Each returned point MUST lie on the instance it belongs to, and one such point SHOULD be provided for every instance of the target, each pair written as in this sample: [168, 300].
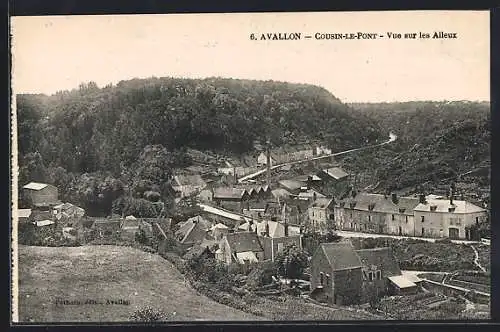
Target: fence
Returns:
[450, 290]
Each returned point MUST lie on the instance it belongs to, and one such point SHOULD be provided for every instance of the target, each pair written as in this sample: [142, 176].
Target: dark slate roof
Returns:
[341, 255]
[322, 202]
[292, 184]
[383, 258]
[336, 173]
[243, 241]
[381, 203]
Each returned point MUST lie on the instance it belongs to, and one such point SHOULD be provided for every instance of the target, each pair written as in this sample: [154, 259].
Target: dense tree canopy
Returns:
[97, 144]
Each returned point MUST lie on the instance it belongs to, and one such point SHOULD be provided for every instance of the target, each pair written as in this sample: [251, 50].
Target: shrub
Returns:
[148, 314]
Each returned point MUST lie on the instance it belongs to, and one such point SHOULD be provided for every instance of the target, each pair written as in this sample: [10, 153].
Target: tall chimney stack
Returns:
[422, 199]
[394, 198]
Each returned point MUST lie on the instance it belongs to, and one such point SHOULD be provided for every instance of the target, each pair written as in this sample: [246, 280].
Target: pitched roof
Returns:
[193, 180]
[43, 223]
[443, 205]
[277, 229]
[280, 192]
[336, 172]
[243, 241]
[228, 192]
[35, 186]
[291, 184]
[322, 202]
[383, 258]
[381, 203]
[402, 281]
[218, 226]
[24, 213]
[310, 194]
[341, 255]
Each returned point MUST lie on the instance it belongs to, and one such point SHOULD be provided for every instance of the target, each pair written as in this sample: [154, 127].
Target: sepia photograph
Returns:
[242, 167]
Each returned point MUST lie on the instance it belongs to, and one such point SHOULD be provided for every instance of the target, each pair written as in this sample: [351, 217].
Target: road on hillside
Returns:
[392, 138]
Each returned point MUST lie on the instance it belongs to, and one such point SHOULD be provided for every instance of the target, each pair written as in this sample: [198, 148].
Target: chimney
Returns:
[394, 198]
[422, 199]
[451, 195]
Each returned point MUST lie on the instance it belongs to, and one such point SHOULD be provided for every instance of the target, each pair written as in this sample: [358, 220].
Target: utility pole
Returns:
[268, 163]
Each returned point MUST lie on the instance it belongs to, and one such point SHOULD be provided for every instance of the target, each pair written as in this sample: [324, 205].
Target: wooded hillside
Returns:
[436, 141]
[132, 134]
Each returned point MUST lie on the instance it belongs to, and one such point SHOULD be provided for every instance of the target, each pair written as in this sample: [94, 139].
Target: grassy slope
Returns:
[102, 273]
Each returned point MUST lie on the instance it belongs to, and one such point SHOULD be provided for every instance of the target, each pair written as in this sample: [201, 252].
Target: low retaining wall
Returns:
[454, 291]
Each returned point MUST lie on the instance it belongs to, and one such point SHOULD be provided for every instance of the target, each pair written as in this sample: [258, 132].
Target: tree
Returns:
[291, 262]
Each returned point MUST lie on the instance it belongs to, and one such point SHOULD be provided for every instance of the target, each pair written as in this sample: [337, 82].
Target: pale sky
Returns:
[57, 53]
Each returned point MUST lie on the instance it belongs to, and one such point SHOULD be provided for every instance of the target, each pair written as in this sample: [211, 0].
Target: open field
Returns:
[105, 273]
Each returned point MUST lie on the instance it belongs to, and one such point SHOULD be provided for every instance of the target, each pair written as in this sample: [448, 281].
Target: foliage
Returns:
[414, 254]
[261, 274]
[138, 207]
[48, 236]
[149, 314]
[437, 141]
[291, 262]
[141, 237]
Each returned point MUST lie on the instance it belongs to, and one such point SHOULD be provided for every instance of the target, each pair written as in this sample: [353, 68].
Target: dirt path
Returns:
[476, 259]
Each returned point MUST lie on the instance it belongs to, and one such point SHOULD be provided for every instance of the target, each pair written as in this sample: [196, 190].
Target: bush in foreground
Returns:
[148, 314]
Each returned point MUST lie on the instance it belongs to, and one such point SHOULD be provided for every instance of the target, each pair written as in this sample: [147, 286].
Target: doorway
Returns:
[453, 232]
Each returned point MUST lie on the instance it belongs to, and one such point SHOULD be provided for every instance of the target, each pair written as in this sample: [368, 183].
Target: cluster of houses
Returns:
[325, 200]
[45, 208]
[244, 243]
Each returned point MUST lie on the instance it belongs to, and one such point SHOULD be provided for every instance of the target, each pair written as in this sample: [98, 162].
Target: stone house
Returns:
[446, 218]
[337, 274]
[240, 247]
[41, 194]
[321, 214]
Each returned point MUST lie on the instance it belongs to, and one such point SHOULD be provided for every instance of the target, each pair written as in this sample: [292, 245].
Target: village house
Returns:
[334, 181]
[44, 223]
[321, 214]
[186, 185]
[381, 274]
[446, 217]
[230, 198]
[275, 236]
[24, 215]
[41, 194]
[342, 275]
[376, 213]
[240, 247]
[218, 231]
[68, 212]
[193, 230]
[337, 274]
[292, 186]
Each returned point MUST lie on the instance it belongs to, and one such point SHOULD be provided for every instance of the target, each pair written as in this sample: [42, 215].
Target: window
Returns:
[351, 214]
[321, 275]
[378, 275]
[369, 218]
[370, 276]
[477, 220]
[422, 218]
[406, 219]
[393, 217]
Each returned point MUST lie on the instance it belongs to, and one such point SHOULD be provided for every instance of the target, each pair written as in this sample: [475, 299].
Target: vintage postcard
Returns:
[329, 166]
